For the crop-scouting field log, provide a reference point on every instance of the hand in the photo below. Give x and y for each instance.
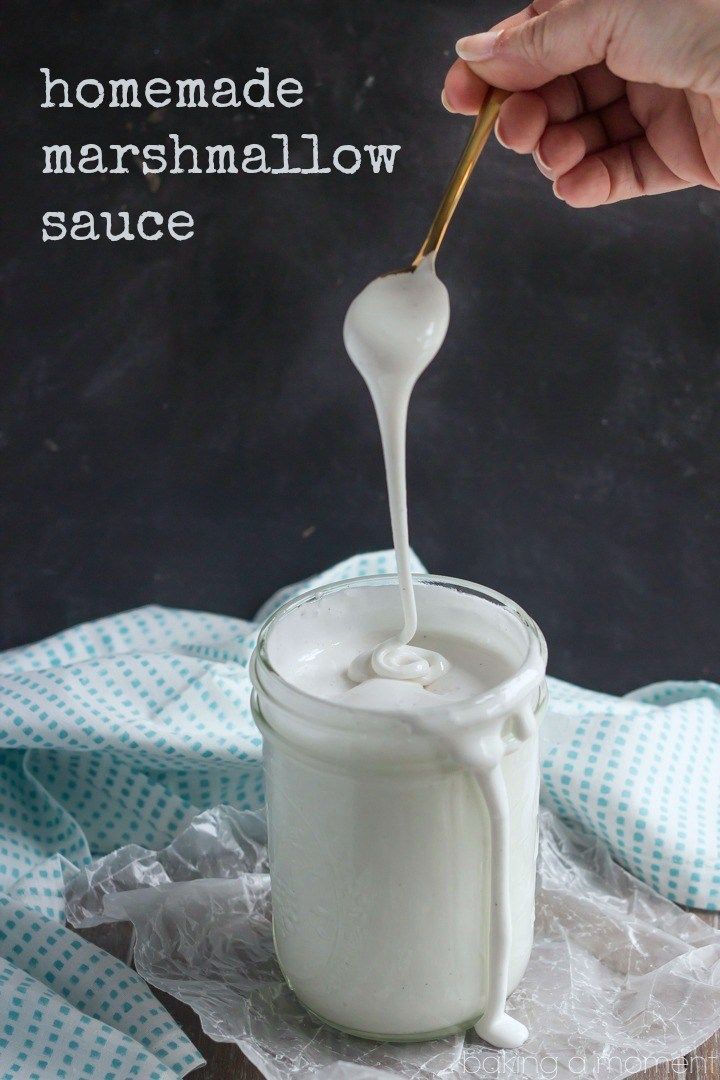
(613, 98)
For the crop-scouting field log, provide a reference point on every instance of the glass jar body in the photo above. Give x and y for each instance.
(381, 888)
(380, 842)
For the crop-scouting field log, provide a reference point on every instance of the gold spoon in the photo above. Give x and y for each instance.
(473, 148)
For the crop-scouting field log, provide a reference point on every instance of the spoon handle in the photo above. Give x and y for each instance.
(473, 148)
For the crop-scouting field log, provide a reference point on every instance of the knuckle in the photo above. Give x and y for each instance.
(535, 39)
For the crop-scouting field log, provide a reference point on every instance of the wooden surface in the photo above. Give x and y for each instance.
(226, 1062)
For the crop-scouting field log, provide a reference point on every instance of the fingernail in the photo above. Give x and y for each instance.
(542, 165)
(477, 46)
(540, 159)
(498, 136)
(446, 103)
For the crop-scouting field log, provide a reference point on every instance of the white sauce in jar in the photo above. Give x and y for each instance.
(401, 909)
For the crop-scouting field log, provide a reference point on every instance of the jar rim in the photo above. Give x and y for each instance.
(497, 701)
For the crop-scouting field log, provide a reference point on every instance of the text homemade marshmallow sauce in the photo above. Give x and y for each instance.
(276, 155)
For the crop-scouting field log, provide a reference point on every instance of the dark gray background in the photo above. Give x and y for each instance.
(177, 417)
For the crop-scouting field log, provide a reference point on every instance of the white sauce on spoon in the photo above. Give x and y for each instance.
(392, 331)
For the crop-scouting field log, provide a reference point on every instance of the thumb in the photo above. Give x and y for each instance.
(531, 49)
(651, 41)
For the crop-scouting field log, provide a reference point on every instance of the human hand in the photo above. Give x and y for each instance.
(613, 98)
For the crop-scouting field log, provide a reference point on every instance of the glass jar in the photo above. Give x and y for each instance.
(381, 842)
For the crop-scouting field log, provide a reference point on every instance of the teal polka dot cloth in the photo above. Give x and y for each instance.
(119, 731)
(643, 773)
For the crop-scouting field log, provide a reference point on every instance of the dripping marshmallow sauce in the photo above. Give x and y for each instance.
(393, 329)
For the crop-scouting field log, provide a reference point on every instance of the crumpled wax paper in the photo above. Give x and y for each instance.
(619, 978)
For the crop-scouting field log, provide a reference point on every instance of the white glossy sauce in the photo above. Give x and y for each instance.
(393, 329)
(352, 840)
(315, 650)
